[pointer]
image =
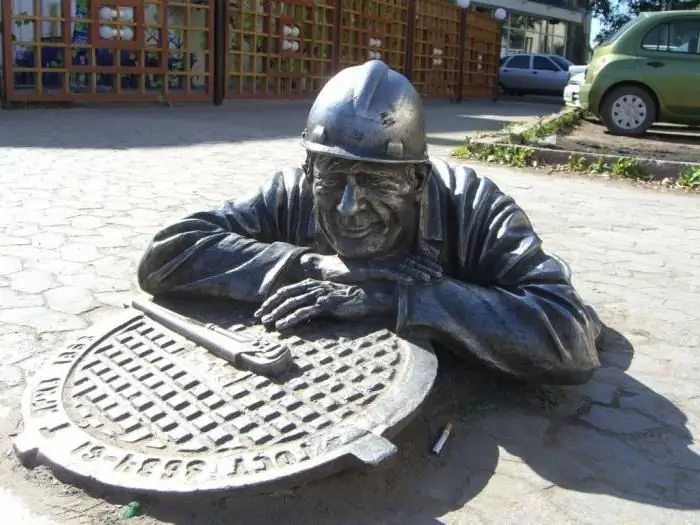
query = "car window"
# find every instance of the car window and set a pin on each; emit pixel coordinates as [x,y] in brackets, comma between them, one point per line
[544,64]
[519,62]
[503,60]
[617,34]
[677,36]
[561,62]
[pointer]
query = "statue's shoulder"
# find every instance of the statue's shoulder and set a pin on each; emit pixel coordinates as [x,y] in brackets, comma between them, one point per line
[455,178]
[289,177]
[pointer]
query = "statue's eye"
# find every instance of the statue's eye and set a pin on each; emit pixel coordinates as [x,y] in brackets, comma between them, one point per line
[330,181]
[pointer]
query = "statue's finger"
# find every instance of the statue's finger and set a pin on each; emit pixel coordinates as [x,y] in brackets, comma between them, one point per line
[415,271]
[282,295]
[432,268]
[289,305]
[299,316]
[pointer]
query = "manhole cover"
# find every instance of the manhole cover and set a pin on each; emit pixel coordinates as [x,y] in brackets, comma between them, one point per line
[135,405]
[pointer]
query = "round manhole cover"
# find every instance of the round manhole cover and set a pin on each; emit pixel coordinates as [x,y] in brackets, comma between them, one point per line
[134,404]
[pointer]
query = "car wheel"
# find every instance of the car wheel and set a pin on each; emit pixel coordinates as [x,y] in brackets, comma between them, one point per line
[629,111]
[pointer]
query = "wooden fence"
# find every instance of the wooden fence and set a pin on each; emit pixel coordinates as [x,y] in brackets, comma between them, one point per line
[130,50]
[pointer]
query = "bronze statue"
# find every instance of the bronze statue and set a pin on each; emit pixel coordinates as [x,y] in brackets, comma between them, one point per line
[370,226]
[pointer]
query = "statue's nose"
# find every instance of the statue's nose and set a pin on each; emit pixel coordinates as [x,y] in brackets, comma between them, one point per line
[349,204]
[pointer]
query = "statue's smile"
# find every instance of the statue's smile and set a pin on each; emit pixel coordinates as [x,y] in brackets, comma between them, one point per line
[355,227]
[355,233]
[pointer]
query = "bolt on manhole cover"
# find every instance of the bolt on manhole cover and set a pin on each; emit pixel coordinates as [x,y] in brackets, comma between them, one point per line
[133,404]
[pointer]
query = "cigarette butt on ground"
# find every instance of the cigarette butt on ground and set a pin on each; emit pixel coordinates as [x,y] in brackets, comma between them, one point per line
[440,443]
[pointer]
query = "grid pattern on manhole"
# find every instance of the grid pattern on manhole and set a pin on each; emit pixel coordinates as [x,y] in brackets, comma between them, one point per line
[136,387]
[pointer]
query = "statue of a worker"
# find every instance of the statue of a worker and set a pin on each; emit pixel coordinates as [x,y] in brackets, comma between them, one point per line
[370,226]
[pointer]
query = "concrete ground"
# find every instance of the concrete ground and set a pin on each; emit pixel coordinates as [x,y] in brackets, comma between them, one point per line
[82,191]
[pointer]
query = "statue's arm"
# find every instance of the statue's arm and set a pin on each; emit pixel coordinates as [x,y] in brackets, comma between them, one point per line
[237,251]
[509,304]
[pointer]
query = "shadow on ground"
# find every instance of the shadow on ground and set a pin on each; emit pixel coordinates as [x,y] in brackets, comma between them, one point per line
[160,127]
[613,436]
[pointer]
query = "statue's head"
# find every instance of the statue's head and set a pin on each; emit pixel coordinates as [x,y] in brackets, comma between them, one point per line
[367,160]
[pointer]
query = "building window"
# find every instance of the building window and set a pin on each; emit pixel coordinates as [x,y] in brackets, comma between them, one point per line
[531,34]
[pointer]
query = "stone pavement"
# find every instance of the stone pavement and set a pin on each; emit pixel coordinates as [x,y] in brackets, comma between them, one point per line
[82,191]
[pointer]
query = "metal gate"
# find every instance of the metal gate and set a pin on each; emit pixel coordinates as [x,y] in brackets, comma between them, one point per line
[133,50]
[126,50]
[436,49]
[374,29]
[482,55]
[278,49]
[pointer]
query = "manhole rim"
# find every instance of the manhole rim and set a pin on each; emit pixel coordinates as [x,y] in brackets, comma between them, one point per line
[369,444]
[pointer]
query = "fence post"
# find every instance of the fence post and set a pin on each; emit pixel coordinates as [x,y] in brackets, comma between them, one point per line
[337,35]
[220,52]
[6,73]
[410,37]
[462,52]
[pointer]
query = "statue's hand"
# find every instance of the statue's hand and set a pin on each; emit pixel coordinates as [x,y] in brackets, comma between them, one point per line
[309,299]
[398,269]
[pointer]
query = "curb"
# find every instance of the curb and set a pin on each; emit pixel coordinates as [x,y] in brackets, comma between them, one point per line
[658,170]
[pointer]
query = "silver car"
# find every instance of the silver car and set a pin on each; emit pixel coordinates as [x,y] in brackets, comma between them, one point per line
[534,73]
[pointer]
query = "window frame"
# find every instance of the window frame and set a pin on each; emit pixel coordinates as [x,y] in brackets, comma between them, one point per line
[513,57]
[667,49]
[556,69]
[564,60]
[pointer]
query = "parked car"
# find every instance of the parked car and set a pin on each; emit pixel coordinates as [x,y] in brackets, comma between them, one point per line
[572,88]
[533,73]
[575,71]
[648,71]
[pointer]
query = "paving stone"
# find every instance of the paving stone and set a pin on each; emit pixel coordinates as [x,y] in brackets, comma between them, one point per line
[89,280]
[79,252]
[12,299]
[80,204]
[48,240]
[112,266]
[17,343]
[32,281]
[10,376]
[619,421]
[22,229]
[57,266]
[87,222]
[10,240]
[42,319]
[9,265]
[117,299]
[70,300]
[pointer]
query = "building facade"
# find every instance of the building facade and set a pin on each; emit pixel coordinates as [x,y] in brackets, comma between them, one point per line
[560,27]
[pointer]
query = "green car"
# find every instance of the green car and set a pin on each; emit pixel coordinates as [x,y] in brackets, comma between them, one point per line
[649,71]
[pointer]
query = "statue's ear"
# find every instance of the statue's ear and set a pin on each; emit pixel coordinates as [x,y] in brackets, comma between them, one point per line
[308,167]
[422,173]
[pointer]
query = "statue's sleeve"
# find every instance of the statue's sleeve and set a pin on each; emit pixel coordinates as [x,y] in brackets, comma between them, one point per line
[508,303]
[237,251]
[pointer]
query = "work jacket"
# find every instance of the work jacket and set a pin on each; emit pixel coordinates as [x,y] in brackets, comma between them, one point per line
[503,300]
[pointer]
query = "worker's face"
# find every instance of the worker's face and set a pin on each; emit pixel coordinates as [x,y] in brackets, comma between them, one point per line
[366,209]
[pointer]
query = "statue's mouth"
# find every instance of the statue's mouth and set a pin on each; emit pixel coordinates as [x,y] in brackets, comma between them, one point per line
[355,233]
[355,227]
